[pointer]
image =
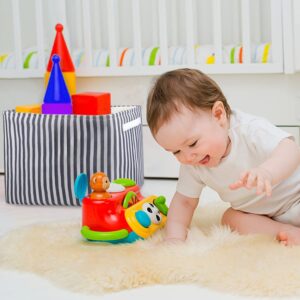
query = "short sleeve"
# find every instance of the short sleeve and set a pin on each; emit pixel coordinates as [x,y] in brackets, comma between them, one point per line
[265,136]
[189,184]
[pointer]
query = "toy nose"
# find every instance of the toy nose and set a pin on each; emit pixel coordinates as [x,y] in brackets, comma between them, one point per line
[143,218]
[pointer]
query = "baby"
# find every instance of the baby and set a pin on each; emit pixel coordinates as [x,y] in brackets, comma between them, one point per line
[250,163]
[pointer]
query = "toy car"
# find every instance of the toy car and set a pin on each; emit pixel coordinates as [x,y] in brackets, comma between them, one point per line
[117,212]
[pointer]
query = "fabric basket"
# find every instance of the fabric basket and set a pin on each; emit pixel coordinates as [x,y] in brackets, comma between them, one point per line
[43,154]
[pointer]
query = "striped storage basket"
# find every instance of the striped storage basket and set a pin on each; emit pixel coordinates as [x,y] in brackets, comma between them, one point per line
[43,154]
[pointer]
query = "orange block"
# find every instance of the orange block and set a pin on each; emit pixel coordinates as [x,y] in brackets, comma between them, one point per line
[91,103]
[34,109]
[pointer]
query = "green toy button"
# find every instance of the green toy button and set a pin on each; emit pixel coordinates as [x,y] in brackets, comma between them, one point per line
[126,182]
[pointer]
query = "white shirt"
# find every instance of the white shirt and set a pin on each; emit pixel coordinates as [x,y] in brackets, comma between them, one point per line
[252,141]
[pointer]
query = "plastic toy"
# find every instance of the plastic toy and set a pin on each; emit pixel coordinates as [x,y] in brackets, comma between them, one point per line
[99,183]
[57,99]
[91,103]
[34,109]
[60,48]
[124,216]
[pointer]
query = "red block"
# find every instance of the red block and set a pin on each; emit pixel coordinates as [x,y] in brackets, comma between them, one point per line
[91,103]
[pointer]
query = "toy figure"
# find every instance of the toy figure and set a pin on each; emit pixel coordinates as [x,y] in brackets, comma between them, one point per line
[124,216]
[99,183]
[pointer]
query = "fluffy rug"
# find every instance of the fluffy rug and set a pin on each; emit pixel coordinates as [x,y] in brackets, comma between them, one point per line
[212,257]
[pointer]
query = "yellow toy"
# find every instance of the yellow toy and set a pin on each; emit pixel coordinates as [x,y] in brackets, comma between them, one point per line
[34,109]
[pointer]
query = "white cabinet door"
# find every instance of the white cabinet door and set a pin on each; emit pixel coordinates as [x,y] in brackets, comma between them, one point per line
[157,161]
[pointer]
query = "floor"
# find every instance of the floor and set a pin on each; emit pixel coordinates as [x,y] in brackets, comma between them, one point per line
[16,285]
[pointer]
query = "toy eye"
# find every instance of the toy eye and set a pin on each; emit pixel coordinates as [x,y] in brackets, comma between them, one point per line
[153,212]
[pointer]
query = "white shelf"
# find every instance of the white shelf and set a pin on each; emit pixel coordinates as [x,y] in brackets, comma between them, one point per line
[153,70]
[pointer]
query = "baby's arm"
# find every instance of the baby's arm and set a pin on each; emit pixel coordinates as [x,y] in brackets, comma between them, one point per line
[179,217]
[283,161]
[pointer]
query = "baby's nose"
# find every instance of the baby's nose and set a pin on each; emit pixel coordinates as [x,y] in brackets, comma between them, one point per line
[190,157]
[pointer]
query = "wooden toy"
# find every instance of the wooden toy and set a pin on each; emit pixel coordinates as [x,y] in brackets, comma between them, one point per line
[57,99]
[34,109]
[91,103]
[66,64]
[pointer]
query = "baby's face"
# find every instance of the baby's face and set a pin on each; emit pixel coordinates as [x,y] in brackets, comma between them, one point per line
[198,137]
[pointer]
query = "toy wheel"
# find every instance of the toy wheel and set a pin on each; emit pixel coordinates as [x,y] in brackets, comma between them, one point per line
[130,199]
[103,235]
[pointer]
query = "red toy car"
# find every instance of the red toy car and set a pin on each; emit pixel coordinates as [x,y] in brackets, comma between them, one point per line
[119,213]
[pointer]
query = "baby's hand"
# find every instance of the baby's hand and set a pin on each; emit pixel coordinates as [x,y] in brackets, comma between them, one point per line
[257,177]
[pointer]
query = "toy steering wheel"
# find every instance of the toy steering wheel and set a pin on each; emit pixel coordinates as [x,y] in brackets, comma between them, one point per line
[130,199]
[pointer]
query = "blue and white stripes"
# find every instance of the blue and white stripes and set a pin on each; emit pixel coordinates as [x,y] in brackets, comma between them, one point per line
[43,154]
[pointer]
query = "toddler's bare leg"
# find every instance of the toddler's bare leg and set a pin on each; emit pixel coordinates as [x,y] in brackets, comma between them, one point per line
[246,223]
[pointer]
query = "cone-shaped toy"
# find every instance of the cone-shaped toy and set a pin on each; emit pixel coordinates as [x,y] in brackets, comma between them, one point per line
[66,64]
[57,99]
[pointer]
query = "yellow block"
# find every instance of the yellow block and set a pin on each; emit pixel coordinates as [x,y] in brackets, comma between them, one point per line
[70,80]
[135,225]
[34,109]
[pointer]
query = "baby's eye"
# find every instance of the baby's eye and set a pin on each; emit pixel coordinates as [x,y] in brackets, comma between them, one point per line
[194,144]
[176,152]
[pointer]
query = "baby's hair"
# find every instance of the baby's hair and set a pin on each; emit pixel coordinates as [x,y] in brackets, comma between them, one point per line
[188,87]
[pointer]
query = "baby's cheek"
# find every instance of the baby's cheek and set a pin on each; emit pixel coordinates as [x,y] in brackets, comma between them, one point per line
[219,147]
[181,160]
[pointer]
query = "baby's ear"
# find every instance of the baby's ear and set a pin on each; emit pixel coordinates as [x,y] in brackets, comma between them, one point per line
[219,113]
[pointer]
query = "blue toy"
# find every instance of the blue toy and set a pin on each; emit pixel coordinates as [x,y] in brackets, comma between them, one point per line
[57,99]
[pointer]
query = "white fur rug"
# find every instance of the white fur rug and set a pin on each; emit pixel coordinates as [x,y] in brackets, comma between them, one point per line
[214,257]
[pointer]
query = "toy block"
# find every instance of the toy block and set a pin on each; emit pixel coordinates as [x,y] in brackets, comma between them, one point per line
[57,99]
[34,109]
[60,48]
[57,109]
[70,80]
[91,103]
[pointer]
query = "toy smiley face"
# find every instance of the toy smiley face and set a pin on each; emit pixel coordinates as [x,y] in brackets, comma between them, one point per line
[147,216]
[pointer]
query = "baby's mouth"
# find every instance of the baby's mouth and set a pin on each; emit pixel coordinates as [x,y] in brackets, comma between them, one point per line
[205,160]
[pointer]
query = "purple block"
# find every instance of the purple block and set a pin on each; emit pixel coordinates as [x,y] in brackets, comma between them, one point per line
[57,109]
